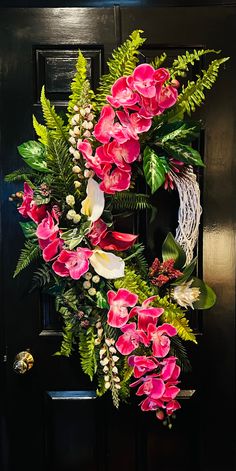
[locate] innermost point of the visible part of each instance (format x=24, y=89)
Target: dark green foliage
x=23, y=174
x=179, y=350
x=138, y=259
x=60, y=163
x=42, y=277
x=129, y=200
x=30, y=252
x=154, y=168
x=87, y=351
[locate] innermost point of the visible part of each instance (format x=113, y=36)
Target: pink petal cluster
x=29, y=208
x=72, y=263
x=157, y=374
x=133, y=102
x=110, y=240
x=49, y=236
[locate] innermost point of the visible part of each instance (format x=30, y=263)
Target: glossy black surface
x=66, y=435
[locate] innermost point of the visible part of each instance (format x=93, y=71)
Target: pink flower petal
x=104, y=127
x=122, y=95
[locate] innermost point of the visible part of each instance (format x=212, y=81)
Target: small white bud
x=115, y=358
x=77, y=184
x=90, y=125
x=87, y=133
x=100, y=332
x=112, y=349
x=71, y=132
x=116, y=379
x=104, y=362
x=87, y=173
x=76, y=131
x=87, y=109
x=102, y=352
x=76, y=169
x=96, y=279
x=117, y=386
x=76, y=218
x=115, y=369
x=70, y=200
x=85, y=124
x=88, y=275
x=92, y=291
x=82, y=112
x=98, y=324
x=76, y=117
x=108, y=342
x=71, y=214
x=86, y=284
x=90, y=117
x=76, y=155
x=76, y=108
x=107, y=385
x=97, y=341
x=105, y=369
x=71, y=150
x=106, y=378
x=72, y=140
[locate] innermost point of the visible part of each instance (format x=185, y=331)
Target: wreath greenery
x=128, y=320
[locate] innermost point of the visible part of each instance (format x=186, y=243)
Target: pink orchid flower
x=108, y=156
x=160, y=341
x=98, y=230
x=142, y=80
x=72, y=263
x=47, y=229
x=142, y=364
x=122, y=95
x=118, y=313
x=29, y=209
x=117, y=180
x=50, y=249
x=161, y=75
x=168, y=97
x=172, y=406
x=151, y=386
x=170, y=370
x=124, y=153
x=146, y=314
x=130, y=339
x=104, y=127
x=134, y=124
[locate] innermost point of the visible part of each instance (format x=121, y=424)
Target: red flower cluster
x=161, y=273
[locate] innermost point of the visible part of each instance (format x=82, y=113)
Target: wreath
x=127, y=316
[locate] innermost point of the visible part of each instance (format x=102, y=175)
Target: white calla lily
x=107, y=264
x=94, y=203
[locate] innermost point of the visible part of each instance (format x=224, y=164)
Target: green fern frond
x=193, y=94
x=30, y=252
x=137, y=253
x=133, y=201
x=67, y=344
x=123, y=62
x=87, y=352
x=178, y=350
x=181, y=63
x=41, y=131
x=158, y=60
x=80, y=86
x=175, y=316
x=23, y=174
x=53, y=121
x=134, y=283
x=60, y=163
x=42, y=277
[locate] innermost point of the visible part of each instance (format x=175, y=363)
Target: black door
x=52, y=419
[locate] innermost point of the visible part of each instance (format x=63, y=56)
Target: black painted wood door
x=51, y=418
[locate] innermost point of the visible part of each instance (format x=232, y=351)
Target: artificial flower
x=130, y=339
x=160, y=338
x=185, y=295
x=107, y=264
x=72, y=263
x=118, y=313
x=93, y=205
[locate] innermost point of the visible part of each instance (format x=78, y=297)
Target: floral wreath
x=128, y=320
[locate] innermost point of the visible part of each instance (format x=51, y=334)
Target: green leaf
x=33, y=154
x=179, y=130
x=187, y=272
x=154, y=169
x=29, y=252
x=184, y=153
x=207, y=296
x=101, y=300
x=29, y=229
x=171, y=249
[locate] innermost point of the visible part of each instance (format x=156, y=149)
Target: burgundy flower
x=161, y=273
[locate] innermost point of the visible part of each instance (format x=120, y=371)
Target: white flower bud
x=106, y=378
x=90, y=117
x=87, y=109
x=108, y=342
x=76, y=155
x=97, y=341
x=104, y=362
x=112, y=349
x=98, y=324
x=92, y=291
x=100, y=332
x=85, y=125
x=71, y=132
x=87, y=133
x=82, y=112
x=76, y=218
x=76, y=131
x=71, y=150
x=116, y=379
x=72, y=140
x=102, y=352
x=76, y=117
x=90, y=125
x=96, y=279
x=115, y=369
x=107, y=385
x=77, y=184
x=76, y=169
x=70, y=200
x=117, y=386
x=71, y=214
x=87, y=275
x=115, y=358
x=87, y=173
x=105, y=369
x=86, y=284
x=76, y=108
